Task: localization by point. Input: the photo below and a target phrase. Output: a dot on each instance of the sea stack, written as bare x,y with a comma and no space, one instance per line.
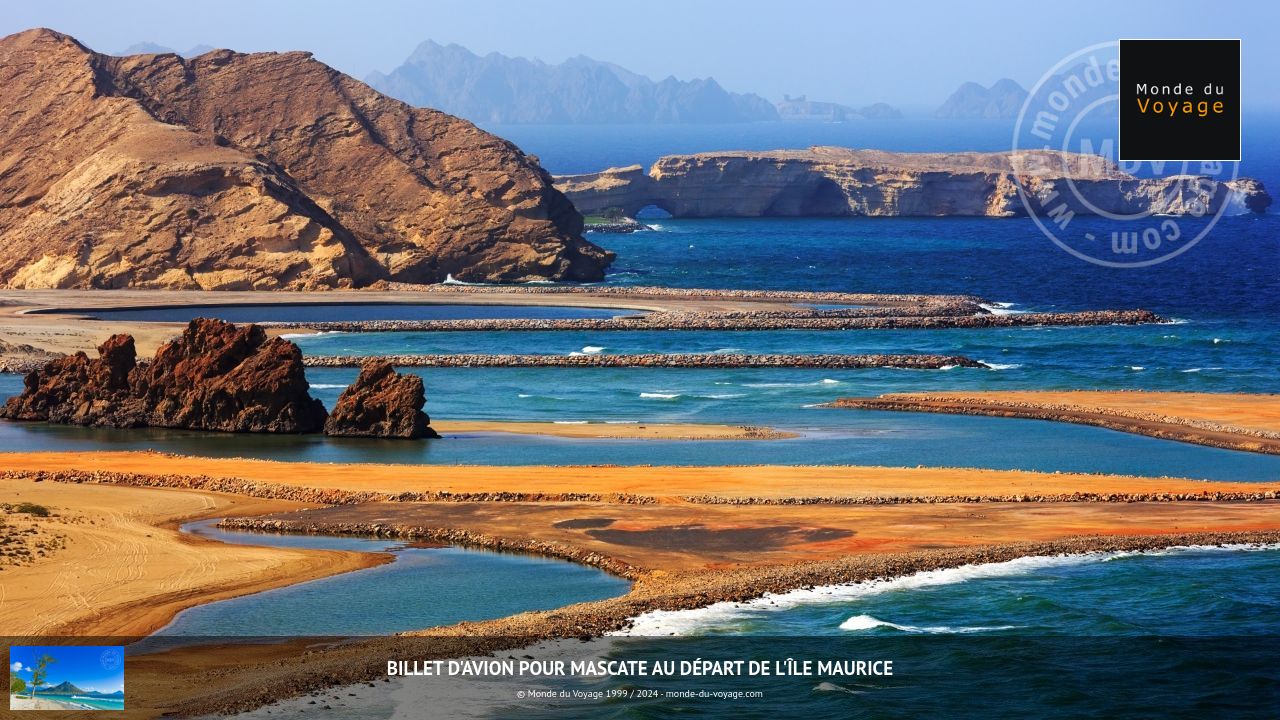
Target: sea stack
216,376
381,403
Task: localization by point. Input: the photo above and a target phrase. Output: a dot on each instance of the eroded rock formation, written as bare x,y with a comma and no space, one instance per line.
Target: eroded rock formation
260,171
216,376
381,403
831,181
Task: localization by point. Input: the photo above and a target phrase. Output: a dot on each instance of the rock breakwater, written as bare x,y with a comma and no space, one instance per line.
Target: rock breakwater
765,320
658,360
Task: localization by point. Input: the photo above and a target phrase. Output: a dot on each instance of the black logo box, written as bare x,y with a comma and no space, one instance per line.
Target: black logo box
1189,64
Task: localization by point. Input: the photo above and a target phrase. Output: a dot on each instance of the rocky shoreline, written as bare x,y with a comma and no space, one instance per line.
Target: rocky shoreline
800,320
326,496
318,668
657,360
1165,427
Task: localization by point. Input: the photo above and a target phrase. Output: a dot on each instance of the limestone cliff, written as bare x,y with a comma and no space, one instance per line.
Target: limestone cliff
269,170
830,181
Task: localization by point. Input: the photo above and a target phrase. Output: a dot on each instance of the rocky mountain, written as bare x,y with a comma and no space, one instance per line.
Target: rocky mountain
259,171
1002,100
833,181
500,89
150,48
63,688
801,108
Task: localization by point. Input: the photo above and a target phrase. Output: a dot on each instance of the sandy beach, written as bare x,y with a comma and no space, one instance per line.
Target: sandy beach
667,484
23,702
1228,420
126,570
686,537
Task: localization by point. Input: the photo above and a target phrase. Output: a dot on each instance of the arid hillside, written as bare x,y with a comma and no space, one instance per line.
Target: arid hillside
259,171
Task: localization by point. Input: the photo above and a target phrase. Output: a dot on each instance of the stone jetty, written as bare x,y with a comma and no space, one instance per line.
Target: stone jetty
874,319
658,360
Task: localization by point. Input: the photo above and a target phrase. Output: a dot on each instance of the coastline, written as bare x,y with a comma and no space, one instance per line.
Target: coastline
17,702
1249,423
132,570
681,551
267,677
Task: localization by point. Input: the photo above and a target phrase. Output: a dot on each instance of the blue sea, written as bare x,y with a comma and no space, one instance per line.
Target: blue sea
1043,638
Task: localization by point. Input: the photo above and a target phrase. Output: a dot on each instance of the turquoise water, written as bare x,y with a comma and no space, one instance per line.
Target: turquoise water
423,587
93,703
785,399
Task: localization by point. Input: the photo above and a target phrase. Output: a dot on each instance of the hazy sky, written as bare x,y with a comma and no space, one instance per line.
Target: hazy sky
905,53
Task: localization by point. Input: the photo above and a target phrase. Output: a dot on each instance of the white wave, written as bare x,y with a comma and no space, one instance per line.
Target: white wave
449,279
824,381
1137,368
998,366
947,367
867,622
1219,341
592,350
692,622
1177,321
621,422
326,386
305,335
656,226
524,395
1235,204
725,351
722,396
659,395
832,687
569,422
1001,308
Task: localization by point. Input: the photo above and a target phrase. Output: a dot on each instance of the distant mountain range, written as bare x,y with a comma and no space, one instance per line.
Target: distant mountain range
150,48
500,89
801,108
1002,100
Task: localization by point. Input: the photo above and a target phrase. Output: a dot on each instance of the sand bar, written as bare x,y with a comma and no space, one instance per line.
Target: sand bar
126,569
665,483
1226,420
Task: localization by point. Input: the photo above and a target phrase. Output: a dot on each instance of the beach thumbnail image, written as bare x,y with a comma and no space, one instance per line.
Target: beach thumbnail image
66,677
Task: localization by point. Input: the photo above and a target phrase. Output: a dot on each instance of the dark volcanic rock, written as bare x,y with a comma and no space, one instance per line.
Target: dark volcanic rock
381,403
215,377
221,377
75,390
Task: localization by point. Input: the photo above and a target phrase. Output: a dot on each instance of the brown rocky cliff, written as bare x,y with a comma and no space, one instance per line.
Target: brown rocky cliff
232,171
381,403
832,181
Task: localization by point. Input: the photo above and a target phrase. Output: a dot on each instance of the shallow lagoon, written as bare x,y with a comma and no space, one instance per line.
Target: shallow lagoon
423,587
